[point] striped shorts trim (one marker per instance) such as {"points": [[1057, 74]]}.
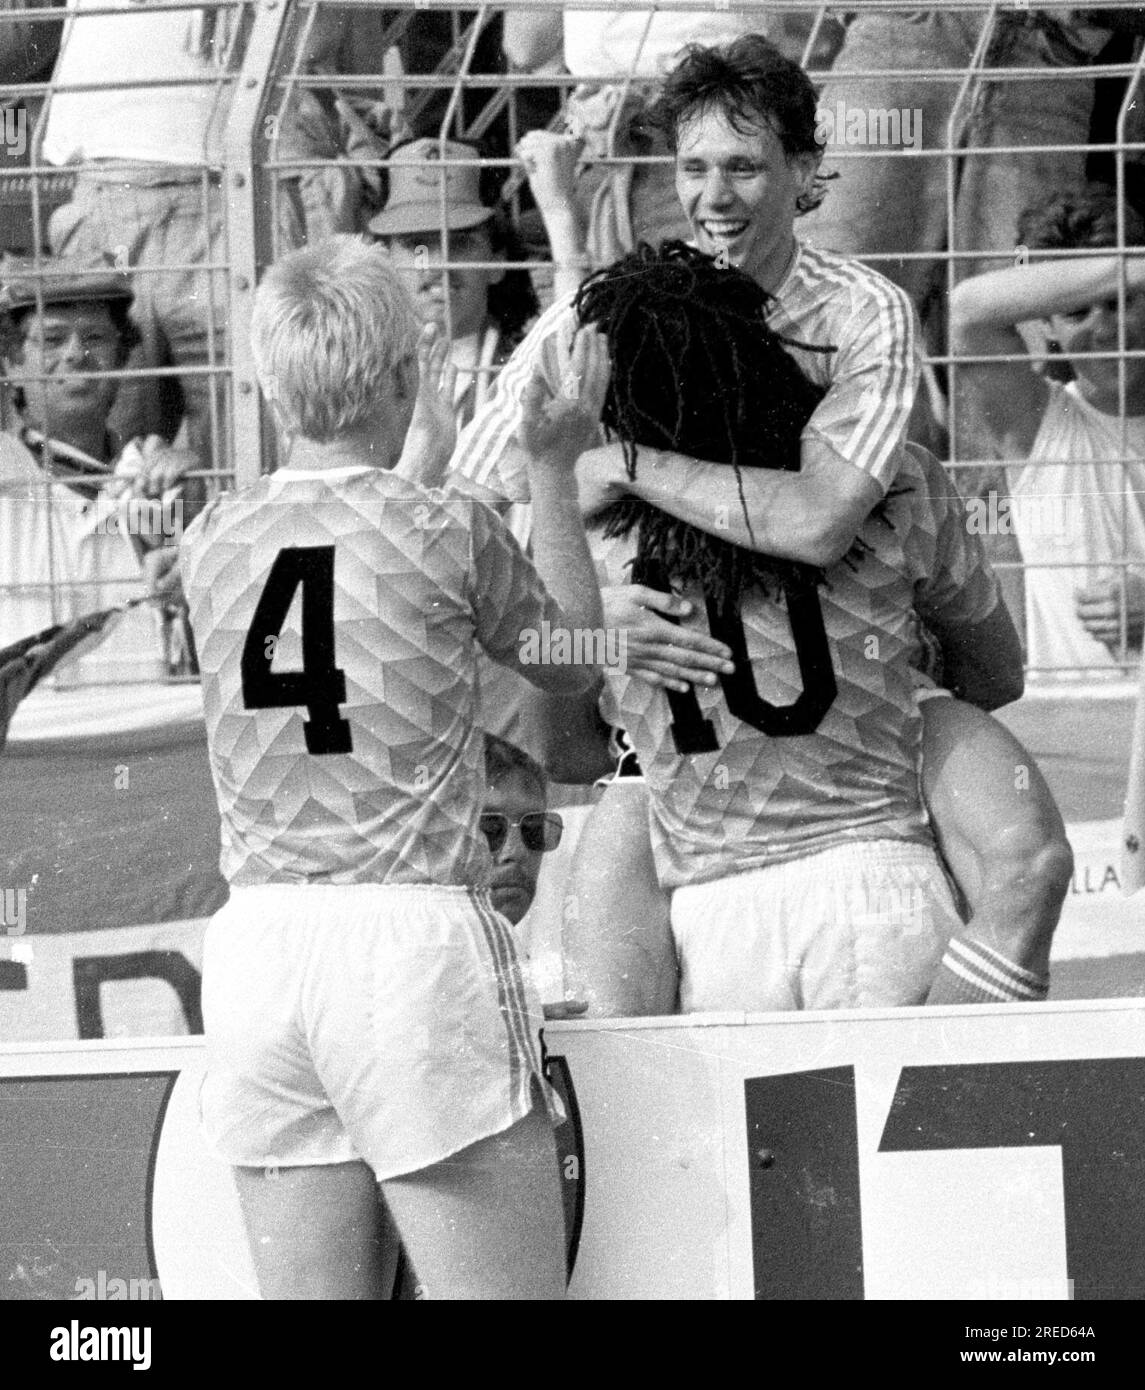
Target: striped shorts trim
{"points": [[386, 1023]]}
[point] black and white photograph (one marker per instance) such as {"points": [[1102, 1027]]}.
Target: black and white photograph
{"points": [[572, 594]]}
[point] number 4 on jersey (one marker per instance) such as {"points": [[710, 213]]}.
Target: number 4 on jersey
{"points": [[320, 685]]}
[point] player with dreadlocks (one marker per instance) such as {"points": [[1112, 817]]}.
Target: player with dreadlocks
{"points": [[676, 328], [786, 816]]}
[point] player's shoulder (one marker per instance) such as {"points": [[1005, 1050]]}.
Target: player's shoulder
{"points": [[826, 275], [560, 313], [465, 505], [557, 323], [219, 510]]}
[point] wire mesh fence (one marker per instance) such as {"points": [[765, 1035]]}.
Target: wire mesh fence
{"points": [[187, 146]]}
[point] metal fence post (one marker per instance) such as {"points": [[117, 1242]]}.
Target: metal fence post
{"points": [[249, 211]]}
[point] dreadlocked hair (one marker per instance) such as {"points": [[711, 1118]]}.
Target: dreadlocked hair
{"points": [[697, 370]]}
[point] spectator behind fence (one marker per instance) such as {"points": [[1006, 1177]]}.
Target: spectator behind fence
{"points": [[1083, 479], [77, 514], [483, 307], [888, 206], [149, 192]]}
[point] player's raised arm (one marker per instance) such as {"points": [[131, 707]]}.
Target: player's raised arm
{"points": [[545, 619], [555, 430], [432, 433]]}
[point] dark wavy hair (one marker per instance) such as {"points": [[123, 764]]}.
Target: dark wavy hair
{"points": [[697, 370], [749, 81]]}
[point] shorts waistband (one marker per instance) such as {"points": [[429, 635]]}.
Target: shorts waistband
{"points": [[361, 889]]}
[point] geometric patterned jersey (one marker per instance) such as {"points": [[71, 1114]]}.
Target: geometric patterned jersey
{"points": [[757, 798], [337, 615]]}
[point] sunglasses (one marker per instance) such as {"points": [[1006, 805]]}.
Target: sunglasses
{"points": [[540, 830]]}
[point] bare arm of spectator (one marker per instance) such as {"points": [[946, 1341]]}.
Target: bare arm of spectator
{"points": [[550, 162], [984, 313], [532, 38]]}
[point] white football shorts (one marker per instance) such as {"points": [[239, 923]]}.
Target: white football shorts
{"points": [[365, 1021], [859, 925]]}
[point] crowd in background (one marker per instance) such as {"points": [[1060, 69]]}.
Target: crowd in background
{"points": [[558, 170]]}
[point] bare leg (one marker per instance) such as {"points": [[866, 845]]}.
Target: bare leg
{"points": [[487, 1223], [315, 1232], [618, 947], [999, 829]]}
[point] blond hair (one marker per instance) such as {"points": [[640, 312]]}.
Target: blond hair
{"points": [[330, 324]]}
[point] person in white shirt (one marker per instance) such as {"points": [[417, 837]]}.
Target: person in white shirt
{"points": [[1076, 452]]}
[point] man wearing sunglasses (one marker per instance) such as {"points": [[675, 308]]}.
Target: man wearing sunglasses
{"points": [[518, 825]]}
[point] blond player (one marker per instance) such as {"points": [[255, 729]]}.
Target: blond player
{"points": [[366, 1018]]}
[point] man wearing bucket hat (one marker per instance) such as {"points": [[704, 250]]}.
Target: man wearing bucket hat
{"points": [[459, 281], [459, 285], [77, 511]]}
